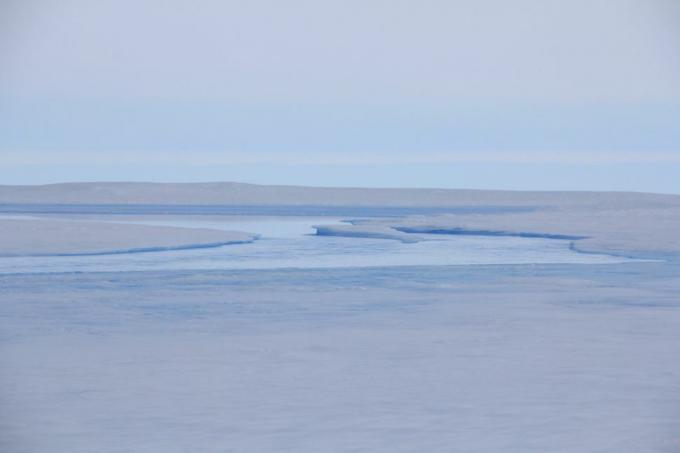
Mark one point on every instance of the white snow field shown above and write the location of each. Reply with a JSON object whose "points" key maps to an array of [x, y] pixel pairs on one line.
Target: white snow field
{"points": [[486, 330]]}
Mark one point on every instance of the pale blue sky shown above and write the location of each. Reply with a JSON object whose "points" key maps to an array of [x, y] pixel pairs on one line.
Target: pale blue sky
{"points": [[529, 94]]}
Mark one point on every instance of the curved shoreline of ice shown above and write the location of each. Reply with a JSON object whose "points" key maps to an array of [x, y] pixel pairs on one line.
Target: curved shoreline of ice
{"points": [[412, 234], [49, 237], [140, 249], [583, 244]]}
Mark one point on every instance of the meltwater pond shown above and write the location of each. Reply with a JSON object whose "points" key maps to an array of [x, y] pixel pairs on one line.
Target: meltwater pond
{"points": [[290, 242]]}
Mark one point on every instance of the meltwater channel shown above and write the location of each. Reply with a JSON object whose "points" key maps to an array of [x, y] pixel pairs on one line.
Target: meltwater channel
{"points": [[289, 241]]}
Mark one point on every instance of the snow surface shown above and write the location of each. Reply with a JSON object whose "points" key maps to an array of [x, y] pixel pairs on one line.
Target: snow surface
{"points": [[44, 237], [528, 357], [630, 224], [641, 232], [566, 358]]}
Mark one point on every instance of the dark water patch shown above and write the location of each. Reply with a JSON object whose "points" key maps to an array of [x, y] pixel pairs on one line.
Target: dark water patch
{"points": [[629, 254], [469, 232]]}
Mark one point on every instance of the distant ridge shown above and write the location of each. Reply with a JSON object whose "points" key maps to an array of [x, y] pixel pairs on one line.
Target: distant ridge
{"points": [[231, 193]]}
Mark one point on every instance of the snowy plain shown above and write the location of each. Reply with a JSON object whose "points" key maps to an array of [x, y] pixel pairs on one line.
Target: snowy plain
{"points": [[466, 344]]}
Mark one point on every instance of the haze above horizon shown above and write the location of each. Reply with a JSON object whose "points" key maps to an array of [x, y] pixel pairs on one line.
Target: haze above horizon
{"points": [[525, 95]]}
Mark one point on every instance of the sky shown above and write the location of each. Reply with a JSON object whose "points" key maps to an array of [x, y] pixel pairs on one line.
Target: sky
{"points": [[528, 94]]}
